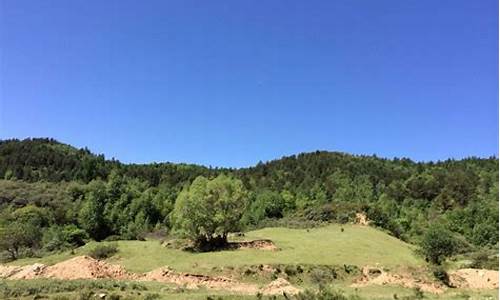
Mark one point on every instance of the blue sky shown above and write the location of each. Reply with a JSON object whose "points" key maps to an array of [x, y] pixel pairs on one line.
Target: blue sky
{"points": [[229, 83]]}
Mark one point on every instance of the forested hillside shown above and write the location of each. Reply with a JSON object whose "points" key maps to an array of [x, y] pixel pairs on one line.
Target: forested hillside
{"points": [[55, 196]]}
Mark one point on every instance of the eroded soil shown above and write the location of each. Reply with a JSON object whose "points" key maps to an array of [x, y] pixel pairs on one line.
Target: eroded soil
{"points": [[85, 267]]}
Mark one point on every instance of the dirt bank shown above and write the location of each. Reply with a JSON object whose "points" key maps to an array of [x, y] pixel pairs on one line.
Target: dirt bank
{"points": [[80, 267], [255, 244], [193, 281], [85, 267], [377, 276], [474, 279], [280, 286]]}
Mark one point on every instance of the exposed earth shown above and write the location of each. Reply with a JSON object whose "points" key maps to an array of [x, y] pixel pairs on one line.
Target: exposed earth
{"points": [[85, 267]]}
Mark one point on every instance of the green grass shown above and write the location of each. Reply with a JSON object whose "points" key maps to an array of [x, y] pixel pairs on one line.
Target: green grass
{"points": [[71, 289], [387, 292], [357, 245]]}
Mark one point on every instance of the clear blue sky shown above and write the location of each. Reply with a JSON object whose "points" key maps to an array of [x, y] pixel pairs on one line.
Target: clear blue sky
{"points": [[229, 83]]}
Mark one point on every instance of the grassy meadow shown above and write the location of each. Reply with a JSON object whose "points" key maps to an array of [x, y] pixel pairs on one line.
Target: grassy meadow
{"points": [[329, 245]]}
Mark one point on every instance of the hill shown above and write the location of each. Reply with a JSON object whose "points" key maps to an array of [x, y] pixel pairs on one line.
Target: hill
{"points": [[398, 195], [58, 202], [356, 245]]}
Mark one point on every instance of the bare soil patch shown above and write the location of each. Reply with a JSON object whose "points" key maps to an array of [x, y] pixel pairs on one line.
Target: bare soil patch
{"points": [[474, 279], [362, 219], [193, 281], [8, 271], [28, 272], [80, 267], [85, 267], [187, 245], [280, 286], [377, 276], [255, 244]]}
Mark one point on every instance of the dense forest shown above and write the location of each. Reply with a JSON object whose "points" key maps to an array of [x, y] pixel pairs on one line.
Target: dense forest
{"points": [[54, 196]]}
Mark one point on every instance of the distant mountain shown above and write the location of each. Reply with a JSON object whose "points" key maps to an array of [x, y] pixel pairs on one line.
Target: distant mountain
{"points": [[49, 160]]}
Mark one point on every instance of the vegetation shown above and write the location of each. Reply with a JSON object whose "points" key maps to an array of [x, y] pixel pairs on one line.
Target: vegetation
{"points": [[103, 251], [208, 210], [327, 246], [437, 244], [54, 197]]}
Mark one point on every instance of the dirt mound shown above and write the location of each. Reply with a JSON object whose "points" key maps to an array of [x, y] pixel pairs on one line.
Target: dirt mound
{"points": [[280, 286], [377, 276], [85, 267], [474, 279], [256, 244], [80, 267], [194, 281], [7, 271], [29, 272]]}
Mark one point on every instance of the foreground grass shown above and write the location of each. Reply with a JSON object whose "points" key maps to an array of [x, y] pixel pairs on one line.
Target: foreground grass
{"points": [[356, 245], [88, 289], [124, 290]]}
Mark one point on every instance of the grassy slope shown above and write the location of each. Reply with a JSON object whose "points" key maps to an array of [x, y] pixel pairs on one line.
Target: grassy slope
{"points": [[357, 245], [327, 245]]}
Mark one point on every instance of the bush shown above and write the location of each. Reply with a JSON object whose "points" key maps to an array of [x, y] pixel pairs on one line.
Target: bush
{"points": [[437, 244], [63, 237], [103, 251], [482, 260], [324, 294], [290, 270], [441, 275]]}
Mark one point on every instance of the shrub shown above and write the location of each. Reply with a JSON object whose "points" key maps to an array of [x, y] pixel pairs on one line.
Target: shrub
{"points": [[324, 294], [85, 294], [418, 293], [437, 244], [441, 275], [290, 270], [320, 276], [63, 237], [482, 260], [103, 251]]}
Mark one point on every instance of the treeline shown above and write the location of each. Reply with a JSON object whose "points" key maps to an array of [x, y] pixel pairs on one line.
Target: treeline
{"points": [[62, 191]]}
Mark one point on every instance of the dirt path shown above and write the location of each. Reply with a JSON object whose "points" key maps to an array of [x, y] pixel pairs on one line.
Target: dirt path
{"points": [[85, 267]]}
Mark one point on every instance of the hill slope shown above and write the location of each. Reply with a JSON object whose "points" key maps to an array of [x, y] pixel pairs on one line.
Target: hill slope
{"points": [[356, 245], [399, 195]]}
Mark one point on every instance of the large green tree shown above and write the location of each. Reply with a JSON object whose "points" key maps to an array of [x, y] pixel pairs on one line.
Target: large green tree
{"points": [[91, 216], [208, 210]]}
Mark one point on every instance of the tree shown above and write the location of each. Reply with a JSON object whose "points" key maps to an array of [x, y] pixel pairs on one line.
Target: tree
{"points": [[437, 244], [91, 216], [208, 210], [267, 204], [17, 236]]}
